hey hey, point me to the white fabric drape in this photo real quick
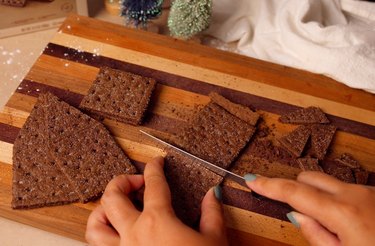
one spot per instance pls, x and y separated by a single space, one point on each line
331 37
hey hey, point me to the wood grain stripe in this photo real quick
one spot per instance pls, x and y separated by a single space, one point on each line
258 224
217 60
8 133
218 78
203 88
261 205
165 120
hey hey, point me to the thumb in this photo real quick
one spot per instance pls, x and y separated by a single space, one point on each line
212 218
314 232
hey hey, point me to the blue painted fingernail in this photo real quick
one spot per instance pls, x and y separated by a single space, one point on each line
217 192
292 219
249 177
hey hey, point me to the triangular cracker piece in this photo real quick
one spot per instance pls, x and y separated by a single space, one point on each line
309 164
84 149
308 115
119 95
321 138
348 160
339 171
296 141
37 179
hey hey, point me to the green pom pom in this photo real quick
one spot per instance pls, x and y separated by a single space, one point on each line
189 17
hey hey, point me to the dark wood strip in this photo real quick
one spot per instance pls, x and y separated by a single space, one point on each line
33 88
261 205
8 133
200 87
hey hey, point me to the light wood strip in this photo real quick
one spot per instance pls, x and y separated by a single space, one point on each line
13 117
53 71
214 59
360 147
139 152
264 226
6 152
217 78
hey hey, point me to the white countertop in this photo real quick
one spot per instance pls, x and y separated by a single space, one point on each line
17 55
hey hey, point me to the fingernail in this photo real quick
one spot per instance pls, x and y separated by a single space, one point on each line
249 177
217 192
292 219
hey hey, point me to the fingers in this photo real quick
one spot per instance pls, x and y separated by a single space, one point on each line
118 208
315 233
322 181
304 198
212 218
99 231
157 195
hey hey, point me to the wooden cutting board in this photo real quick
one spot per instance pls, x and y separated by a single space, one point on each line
186 73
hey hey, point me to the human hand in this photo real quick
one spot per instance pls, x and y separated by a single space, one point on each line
117 222
330 212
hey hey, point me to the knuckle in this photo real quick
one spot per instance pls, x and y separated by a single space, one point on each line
154 179
289 189
348 210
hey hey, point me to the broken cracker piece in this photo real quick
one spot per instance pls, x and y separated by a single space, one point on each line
215 135
295 141
308 115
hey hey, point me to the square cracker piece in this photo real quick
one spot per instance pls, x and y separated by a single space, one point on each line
188 181
119 95
215 135
84 149
37 179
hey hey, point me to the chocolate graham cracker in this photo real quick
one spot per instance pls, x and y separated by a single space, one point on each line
188 182
62 155
215 135
14 3
242 112
295 141
308 115
360 174
119 95
321 138
309 164
37 180
84 149
339 171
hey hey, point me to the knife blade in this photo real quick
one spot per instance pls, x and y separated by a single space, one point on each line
208 165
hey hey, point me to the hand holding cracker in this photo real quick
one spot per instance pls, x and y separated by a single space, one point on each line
330 212
117 222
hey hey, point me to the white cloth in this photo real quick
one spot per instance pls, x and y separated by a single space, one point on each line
331 37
